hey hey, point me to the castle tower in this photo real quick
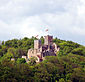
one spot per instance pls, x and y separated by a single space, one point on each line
37 44
48 40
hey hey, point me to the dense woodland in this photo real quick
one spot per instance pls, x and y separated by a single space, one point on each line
67 66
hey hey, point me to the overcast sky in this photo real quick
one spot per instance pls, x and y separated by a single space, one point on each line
65 19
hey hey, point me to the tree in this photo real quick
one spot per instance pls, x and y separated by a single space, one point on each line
79 51
32 60
1 53
61 80
21 60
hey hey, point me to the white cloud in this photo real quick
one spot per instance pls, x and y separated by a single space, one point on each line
63 18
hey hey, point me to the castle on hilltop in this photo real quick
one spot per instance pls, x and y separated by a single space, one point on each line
40 51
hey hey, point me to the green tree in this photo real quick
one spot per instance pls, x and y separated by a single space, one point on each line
21 60
32 61
61 80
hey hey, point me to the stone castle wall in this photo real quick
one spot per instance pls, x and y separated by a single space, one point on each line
40 51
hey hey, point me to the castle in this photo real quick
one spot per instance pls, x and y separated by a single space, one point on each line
40 51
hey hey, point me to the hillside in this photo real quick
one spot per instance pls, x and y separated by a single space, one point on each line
67 66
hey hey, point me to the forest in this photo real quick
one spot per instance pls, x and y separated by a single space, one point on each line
67 66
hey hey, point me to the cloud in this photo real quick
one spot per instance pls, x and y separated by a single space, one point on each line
9 31
63 18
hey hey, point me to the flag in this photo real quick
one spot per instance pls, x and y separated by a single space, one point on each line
46 30
36 36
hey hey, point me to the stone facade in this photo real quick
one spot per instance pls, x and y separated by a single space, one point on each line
40 51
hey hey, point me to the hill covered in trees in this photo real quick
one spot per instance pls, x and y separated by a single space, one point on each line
67 66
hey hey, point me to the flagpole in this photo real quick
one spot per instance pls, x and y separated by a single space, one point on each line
36 36
47 32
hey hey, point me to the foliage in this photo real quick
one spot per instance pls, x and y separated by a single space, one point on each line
67 66
32 61
20 60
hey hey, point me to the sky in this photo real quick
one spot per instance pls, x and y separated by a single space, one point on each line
65 19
